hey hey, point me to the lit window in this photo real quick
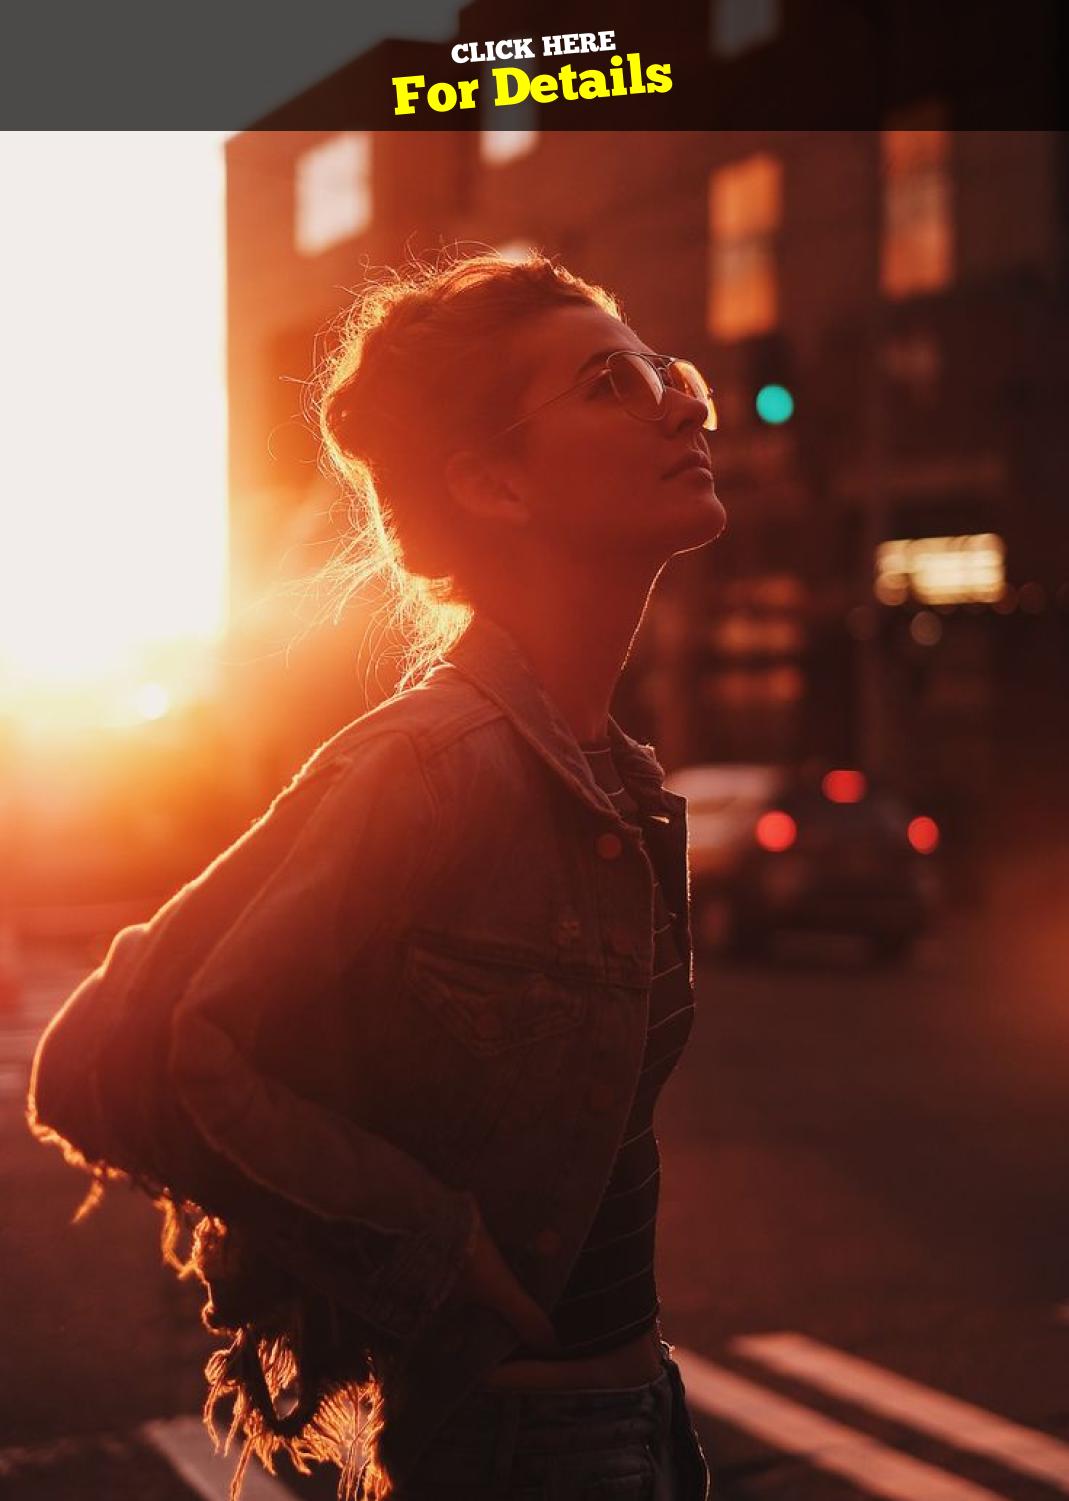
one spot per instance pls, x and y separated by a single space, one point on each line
941 570
333 192
745 212
917 253
738 25
520 139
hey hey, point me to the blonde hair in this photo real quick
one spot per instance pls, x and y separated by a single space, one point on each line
423 365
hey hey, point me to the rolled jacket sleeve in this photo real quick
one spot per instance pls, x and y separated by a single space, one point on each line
64 1103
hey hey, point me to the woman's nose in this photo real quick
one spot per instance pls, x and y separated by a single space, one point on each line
681 410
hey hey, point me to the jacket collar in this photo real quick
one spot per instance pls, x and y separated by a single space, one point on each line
490 657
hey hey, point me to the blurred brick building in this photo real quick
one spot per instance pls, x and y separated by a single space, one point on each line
893 587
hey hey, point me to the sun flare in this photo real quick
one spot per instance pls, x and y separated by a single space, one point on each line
113 402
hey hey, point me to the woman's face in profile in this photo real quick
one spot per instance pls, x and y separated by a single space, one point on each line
594 478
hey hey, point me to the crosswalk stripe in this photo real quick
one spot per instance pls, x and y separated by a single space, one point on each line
959 1423
821 1442
186 1445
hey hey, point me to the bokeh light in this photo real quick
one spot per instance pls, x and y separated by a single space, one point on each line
776 831
775 404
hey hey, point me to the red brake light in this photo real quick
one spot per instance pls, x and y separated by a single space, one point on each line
844 786
775 831
923 834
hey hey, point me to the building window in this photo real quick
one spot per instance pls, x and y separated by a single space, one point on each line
917 248
745 214
521 137
332 185
736 26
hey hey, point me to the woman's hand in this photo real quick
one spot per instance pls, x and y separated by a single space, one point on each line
487 1278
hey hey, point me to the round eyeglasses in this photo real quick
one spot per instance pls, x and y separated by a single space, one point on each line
640 383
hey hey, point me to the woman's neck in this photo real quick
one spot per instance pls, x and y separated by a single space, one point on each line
576 642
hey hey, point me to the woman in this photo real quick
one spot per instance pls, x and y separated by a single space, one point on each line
415 1021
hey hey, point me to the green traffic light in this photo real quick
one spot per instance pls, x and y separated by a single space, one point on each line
775 404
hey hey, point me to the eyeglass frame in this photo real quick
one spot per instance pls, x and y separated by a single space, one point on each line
659 363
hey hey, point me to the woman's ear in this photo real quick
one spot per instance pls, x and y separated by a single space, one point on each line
479 487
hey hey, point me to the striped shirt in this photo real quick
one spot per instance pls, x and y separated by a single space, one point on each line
611 1297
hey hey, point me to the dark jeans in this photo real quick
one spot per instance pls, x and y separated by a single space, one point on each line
628 1444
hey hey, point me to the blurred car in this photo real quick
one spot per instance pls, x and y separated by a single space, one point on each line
823 849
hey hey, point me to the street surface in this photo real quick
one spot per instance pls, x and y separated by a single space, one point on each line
862 1250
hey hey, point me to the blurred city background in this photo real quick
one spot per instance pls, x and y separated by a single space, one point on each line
861 687
880 314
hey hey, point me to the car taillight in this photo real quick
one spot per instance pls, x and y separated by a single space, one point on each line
923 834
775 831
844 786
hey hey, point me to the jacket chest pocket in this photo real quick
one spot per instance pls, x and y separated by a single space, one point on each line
489 1003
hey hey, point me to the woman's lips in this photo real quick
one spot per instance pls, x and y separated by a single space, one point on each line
690 461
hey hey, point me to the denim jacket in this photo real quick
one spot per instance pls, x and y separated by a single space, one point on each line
418 983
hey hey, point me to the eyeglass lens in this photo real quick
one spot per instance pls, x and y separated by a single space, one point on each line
640 389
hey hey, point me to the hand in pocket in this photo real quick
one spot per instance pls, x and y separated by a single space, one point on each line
488 1279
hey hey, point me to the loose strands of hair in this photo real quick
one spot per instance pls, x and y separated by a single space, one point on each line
282 1335
422 353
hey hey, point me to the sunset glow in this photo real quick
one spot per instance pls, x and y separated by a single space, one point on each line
113 469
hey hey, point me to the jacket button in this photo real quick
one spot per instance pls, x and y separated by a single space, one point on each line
609 846
547 1242
600 1096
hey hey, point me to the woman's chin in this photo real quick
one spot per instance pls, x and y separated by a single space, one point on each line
706 520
